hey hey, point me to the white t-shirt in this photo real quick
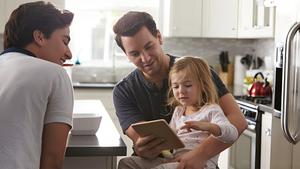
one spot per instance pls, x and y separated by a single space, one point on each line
33 92
209 113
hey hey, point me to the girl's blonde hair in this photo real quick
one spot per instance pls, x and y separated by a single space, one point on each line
197 69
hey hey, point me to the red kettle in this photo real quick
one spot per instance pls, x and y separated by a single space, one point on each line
266 89
257 86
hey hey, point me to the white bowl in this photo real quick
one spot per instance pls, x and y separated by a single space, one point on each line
87 115
85 123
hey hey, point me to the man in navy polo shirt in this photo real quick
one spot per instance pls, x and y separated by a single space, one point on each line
141 96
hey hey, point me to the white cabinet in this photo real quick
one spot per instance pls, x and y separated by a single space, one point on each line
223 159
7 6
220 18
281 149
256 19
181 18
238 19
217 18
266 126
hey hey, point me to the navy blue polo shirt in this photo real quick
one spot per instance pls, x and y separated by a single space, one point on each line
136 99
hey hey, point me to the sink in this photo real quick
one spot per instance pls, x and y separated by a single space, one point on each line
97 74
92 74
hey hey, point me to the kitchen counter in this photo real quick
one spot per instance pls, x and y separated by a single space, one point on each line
105 145
266 108
237 90
269 109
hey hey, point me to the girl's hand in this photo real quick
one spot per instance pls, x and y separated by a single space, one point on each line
203 126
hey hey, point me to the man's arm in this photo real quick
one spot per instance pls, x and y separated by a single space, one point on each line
53 145
211 146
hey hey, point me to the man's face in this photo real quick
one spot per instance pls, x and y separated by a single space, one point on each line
56 49
144 51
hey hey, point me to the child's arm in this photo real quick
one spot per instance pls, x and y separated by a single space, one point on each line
218 125
212 128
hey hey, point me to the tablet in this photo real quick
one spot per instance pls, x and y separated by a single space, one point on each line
158 128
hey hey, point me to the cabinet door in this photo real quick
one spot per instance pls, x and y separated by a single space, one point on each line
182 18
220 18
296 156
256 19
266 140
223 159
281 149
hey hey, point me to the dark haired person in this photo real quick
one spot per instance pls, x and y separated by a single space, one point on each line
36 94
141 96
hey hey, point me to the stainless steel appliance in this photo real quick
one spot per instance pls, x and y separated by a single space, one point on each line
246 151
285 149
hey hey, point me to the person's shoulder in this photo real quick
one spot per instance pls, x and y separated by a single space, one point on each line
128 81
212 108
38 64
132 78
172 59
44 68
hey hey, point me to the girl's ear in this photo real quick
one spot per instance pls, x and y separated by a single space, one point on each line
39 37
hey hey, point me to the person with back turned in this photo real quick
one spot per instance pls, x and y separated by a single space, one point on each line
36 93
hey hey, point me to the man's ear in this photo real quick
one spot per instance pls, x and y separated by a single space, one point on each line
159 37
38 37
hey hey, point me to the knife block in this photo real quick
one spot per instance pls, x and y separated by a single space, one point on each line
226 77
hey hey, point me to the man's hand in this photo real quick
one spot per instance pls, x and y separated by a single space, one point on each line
149 147
190 160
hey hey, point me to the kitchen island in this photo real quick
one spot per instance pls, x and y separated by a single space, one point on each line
95 151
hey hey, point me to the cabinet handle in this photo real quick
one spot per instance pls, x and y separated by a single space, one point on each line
268 132
270 3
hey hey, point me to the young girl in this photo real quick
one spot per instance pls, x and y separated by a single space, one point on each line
197 114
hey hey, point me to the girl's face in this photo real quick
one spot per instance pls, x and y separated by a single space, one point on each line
185 89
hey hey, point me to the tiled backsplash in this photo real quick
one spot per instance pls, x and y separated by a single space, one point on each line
210 48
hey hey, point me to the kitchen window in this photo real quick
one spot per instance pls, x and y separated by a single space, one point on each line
92 36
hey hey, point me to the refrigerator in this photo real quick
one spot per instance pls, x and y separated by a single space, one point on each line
285 145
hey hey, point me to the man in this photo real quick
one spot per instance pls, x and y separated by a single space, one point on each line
36 94
141 96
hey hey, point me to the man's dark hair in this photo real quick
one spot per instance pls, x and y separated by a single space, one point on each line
130 23
28 17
